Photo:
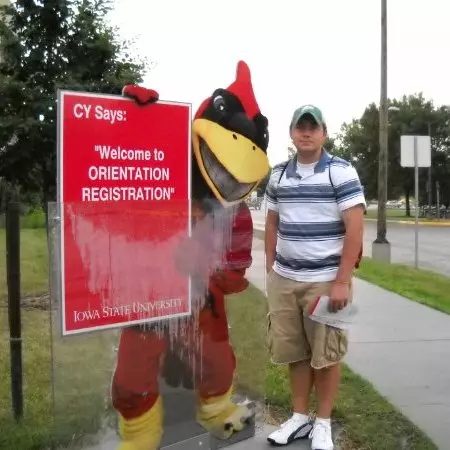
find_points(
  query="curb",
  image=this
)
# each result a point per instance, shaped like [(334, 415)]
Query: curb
[(443, 224), (258, 233)]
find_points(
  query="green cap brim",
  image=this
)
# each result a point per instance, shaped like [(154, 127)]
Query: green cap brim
[(312, 111)]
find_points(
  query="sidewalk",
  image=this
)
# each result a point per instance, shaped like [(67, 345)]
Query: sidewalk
[(401, 347)]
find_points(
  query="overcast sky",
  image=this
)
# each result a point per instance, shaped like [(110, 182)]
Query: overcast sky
[(325, 52)]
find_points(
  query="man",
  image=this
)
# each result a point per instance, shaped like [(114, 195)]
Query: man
[(313, 241)]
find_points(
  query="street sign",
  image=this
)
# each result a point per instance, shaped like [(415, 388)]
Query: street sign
[(423, 151), (124, 194), (415, 152)]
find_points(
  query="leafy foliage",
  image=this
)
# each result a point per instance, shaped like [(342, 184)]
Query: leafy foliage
[(47, 45), (359, 142)]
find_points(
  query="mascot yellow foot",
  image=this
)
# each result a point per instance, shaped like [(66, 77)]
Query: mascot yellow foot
[(142, 433), (222, 417)]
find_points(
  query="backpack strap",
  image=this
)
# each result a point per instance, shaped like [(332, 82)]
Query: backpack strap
[(284, 170), (330, 178)]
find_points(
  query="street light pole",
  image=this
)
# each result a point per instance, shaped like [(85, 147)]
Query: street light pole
[(430, 188), (381, 248)]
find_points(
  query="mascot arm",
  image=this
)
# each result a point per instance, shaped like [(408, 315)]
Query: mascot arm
[(142, 96), (231, 279)]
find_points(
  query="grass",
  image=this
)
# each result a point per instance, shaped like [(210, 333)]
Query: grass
[(79, 369), (369, 421), (82, 368), (400, 215), (32, 220), (390, 214), (422, 286)]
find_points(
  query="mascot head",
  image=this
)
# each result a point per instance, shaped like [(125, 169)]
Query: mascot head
[(230, 139)]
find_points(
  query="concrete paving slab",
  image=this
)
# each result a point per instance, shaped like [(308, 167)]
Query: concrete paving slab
[(259, 442), (439, 427)]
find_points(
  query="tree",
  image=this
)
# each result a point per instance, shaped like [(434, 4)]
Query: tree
[(410, 115), (45, 46), (291, 151)]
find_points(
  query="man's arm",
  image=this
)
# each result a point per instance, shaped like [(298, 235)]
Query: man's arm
[(270, 238), (272, 218), (352, 204), (354, 231)]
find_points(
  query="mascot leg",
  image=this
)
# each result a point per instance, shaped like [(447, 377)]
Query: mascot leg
[(216, 411), (135, 392)]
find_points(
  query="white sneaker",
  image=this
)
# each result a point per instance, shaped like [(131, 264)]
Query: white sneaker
[(291, 430), (321, 436)]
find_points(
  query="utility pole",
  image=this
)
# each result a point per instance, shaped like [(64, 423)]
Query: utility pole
[(381, 248), (430, 189)]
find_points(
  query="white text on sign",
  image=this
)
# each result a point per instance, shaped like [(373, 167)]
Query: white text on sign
[(126, 193), (122, 154), (83, 111), (116, 173)]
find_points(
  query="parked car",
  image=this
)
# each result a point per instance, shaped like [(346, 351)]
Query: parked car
[(255, 202)]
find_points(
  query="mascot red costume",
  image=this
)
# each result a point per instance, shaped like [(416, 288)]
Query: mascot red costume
[(229, 142)]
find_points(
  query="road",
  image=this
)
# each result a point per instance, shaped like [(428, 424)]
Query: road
[(434, 243)]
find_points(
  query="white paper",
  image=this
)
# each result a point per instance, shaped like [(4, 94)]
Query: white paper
[(341, 319)]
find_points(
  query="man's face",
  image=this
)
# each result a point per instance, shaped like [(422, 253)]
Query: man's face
[(308, 135)]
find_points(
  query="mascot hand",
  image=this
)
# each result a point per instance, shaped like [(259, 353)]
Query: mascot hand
[(142, 96), (230, 281)]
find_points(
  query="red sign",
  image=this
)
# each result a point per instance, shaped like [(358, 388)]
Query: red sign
[(124, 194)]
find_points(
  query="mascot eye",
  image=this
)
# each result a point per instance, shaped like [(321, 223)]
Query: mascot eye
[(219, 103)]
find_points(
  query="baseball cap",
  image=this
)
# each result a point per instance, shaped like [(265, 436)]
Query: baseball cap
[(314, 111)]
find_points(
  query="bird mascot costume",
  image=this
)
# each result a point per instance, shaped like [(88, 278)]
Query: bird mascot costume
[(229, 160)]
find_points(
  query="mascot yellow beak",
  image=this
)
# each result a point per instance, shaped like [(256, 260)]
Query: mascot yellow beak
[(230, 140), (232, 165)]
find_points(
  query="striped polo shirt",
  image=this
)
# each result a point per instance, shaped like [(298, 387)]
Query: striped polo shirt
[(311, 230)]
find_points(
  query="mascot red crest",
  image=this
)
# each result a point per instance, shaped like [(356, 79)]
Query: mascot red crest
[(229, 142)]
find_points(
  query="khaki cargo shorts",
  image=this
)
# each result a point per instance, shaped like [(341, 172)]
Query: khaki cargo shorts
[(292, 335)]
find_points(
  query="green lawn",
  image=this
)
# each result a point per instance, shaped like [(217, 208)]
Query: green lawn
[(422, 286), (83, 366), (400, 214), (81, 369), (390, 214)]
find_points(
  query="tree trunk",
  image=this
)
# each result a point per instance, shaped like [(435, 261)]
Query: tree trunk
[(407, 204), (45, 200)]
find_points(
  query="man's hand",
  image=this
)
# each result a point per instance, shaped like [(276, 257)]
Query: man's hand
[(339, 295)]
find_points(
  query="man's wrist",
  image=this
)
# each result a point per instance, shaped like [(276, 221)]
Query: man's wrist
[(342, 282)]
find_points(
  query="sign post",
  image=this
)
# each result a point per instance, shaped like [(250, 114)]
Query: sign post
[(124, 194), (416, 152), (438, 206)]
